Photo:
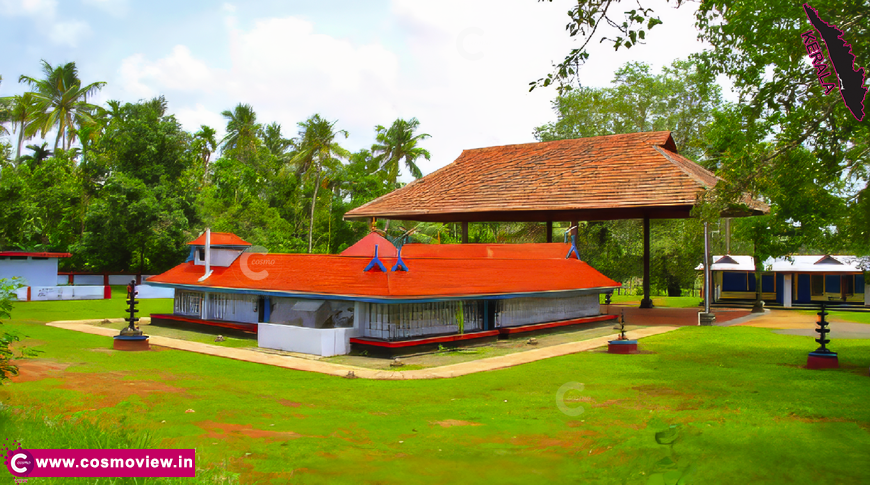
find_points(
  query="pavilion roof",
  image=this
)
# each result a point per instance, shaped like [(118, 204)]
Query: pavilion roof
[(605, 177)]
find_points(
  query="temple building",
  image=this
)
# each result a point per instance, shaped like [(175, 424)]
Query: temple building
[(374, 295), (802, 279)]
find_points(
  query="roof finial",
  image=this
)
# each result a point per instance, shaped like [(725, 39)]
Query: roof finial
[(400, 265), (376, 261)]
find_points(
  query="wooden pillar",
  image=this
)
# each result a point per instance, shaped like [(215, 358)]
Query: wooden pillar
[(646, 302), (576, 226), (549, 231), (464, 233)]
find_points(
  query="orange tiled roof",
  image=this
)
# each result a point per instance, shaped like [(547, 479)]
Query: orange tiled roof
[(220, 239), (617, 172), (308, 274)]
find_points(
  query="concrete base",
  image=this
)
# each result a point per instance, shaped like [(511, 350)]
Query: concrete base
[(822, 361), (622, 347), (646, 303), (706, 319), (135, 342)]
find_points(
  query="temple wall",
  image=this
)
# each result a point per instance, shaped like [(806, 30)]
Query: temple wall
[(526, 311)]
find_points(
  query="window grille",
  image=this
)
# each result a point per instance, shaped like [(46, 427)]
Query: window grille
[(188, 303)]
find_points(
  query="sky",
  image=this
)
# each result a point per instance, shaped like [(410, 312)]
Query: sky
[(462, 68)]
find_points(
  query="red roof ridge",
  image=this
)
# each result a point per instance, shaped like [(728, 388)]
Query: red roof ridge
[(36, 254), (641, 135), (220, 239)]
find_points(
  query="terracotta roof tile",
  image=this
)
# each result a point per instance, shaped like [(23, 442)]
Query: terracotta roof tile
[(631, 171), (427, 278), (220, 239)]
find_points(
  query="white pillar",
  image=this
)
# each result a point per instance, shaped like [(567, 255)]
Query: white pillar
[(786, 290)]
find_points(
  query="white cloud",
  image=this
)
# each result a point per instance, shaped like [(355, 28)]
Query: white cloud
[(462, 68), (69, 33), (118, 8), (192, 118), (28, 8)]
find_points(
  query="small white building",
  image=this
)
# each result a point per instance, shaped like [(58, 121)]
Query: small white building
[(791, 279), (34, 268)]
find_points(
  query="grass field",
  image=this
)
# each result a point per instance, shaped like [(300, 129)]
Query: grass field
[(728, 404), (660, 301)]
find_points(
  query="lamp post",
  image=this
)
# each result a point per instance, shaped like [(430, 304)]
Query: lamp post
[(131, 338), (822, 357)]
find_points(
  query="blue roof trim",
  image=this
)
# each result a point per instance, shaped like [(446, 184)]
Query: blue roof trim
[(316, 296)]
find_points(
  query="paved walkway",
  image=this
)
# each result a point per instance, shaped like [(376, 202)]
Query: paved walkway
[(788, 322), (681, 317), (296, 363)]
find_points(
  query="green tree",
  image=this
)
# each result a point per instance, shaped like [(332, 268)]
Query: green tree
[(40, 153), (681, 99), (758, 46), (243, 137), (318, 152), (4, 113), (61, 101), (205, 143), (140, 178), (398, 144), (21, 113)]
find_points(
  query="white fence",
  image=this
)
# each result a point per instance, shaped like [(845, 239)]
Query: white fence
[(50, 293)]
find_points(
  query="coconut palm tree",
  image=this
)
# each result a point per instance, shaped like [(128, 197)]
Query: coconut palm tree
[(317, 152), (4, 113), (204, 140), (398, 144), (40, 153), (243, 133), (62, 101), (21, 111)]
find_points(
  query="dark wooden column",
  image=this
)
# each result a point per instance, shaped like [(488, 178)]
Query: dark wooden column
[(464, 233), (576, 226), (549, 231), (646, 302)]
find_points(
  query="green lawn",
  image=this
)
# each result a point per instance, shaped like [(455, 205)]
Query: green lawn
[(734, 401), (660, 301)]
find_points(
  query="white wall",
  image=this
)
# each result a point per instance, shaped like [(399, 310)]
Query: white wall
[(148, 291), (219, 257), (43, 293), (90, 279), (317, 341), (118, 279), (40, 272)]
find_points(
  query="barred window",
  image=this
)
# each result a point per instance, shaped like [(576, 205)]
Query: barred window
[(188, 303)]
